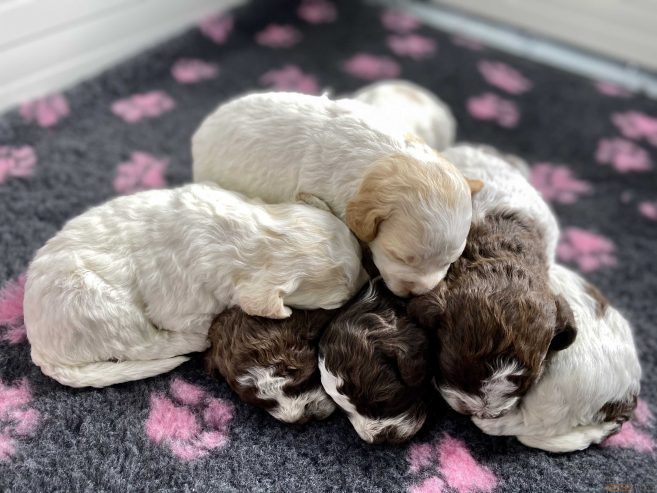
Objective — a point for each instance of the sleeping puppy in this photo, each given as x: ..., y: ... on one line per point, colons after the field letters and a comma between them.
x: 126, y: 288
x: 373, y: 363
x: 412, y: 206
x: 586, y: 391
x: 414, y: 106
x: 272, y: 363
x: 496, y: 317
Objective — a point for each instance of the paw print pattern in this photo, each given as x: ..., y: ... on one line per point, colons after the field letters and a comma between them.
x: 190, y: 424
x: 624, y: 155
x: 504, y: 77
x: 46, y: 111
x: 278, y: 36
x: 412, y: 46
x: 16, y: 162
x: 557, y: 183
x: 317, y: 11
x: 633, y: 434
x: 371, y: 67
x: 11, y: 311
x: 141, y: 172
x: 290, y: 78
x: 588, y: 250
x: 190, y: 71
x: 491, y: 107
x: 455, y: 467
x: 649, y: 210
x: 636, y: 125
x: 17, y: 419
x: 217, y: 28
x: 142, y: 106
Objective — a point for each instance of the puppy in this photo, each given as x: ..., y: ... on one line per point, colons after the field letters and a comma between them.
x: 272, y: 363
x: 414, y: 106
x: 373, y: 362
x: 123, y: 290
x: 495, y: 316
x: 588, y: 390
x: 410, y: 205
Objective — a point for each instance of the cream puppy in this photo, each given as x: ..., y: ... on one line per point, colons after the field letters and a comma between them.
x: 418, y: 108
x: 410, y: 205
x: 126, y: 288
x: 588, y: 390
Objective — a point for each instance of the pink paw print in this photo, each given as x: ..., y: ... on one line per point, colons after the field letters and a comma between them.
x: 371, y: 67
x: 191, y: 424
x: 190, y: 71
x: 412, y: 46
x: 46, y: 111
x: 278, y: 36
x: 588, y: 250
x: 557, y: 183
x: 624, y: 155
x: 16, y: 162
x: 17, y: 419
x: 11, y: 311
x: 611, y: 90
x: 647, y: 209
x: 454, y: 466
x: 490, y: 107
x: 317, y: 11
x: 633, y: 434
x: 217, y: 27
x: 504, y: 77
x: 141, y: 106
x: 290, y: 78
x: 636, y: 125
x: 142, y: 172
x: 467, y: 43
x: 400, y: 22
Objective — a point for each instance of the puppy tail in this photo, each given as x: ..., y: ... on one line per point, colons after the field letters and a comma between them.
x: 107, y: 373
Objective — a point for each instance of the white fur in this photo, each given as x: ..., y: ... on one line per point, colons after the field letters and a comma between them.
x: 560, y: 413
x: 367, y: 428
x: 283, y: 147
x: 127, y: 287
x: 421, y: 111
x: 505, y: 188
x: 494, y: 399
x: 314, y: 403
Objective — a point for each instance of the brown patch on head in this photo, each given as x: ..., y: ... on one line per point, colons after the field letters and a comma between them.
x: 380, y: 355
x: 602, y: 303
x: 395, y: 183
x: 240, y: 342
x: 495, y: 307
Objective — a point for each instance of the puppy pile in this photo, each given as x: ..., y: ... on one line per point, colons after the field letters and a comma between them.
x: 462, y: 294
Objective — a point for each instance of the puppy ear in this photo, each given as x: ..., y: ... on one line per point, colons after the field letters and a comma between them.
x: 427, y: 310
x: 410, y: 355
x: 475, y: 185
x: 566, y: 329
x: 364, y: 215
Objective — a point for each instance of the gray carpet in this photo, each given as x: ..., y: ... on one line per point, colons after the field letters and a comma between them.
x: 593, y: 148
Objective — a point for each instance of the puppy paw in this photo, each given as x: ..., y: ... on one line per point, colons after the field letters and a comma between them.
x: 312, y: 200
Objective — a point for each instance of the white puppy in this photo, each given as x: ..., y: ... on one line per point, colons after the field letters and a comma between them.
x: 395, y: 193
x: 587, y: 390
x: 418, y: 108
x: 126, y: 288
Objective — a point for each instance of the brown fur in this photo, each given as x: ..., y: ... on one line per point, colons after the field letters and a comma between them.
x: 495, y: 307
x: 618, y: 411
x: 602, y: 303
x: 240, y: 342
x: 381, y: 357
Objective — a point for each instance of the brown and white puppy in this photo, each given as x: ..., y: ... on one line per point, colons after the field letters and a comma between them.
x: 373, y: 362
x: 495, y: 316
x: 272, y: 363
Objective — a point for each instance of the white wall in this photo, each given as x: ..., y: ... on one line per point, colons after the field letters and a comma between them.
x: 47, y: 45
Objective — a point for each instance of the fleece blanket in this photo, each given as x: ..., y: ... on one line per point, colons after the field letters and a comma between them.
x: 593, y: 151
